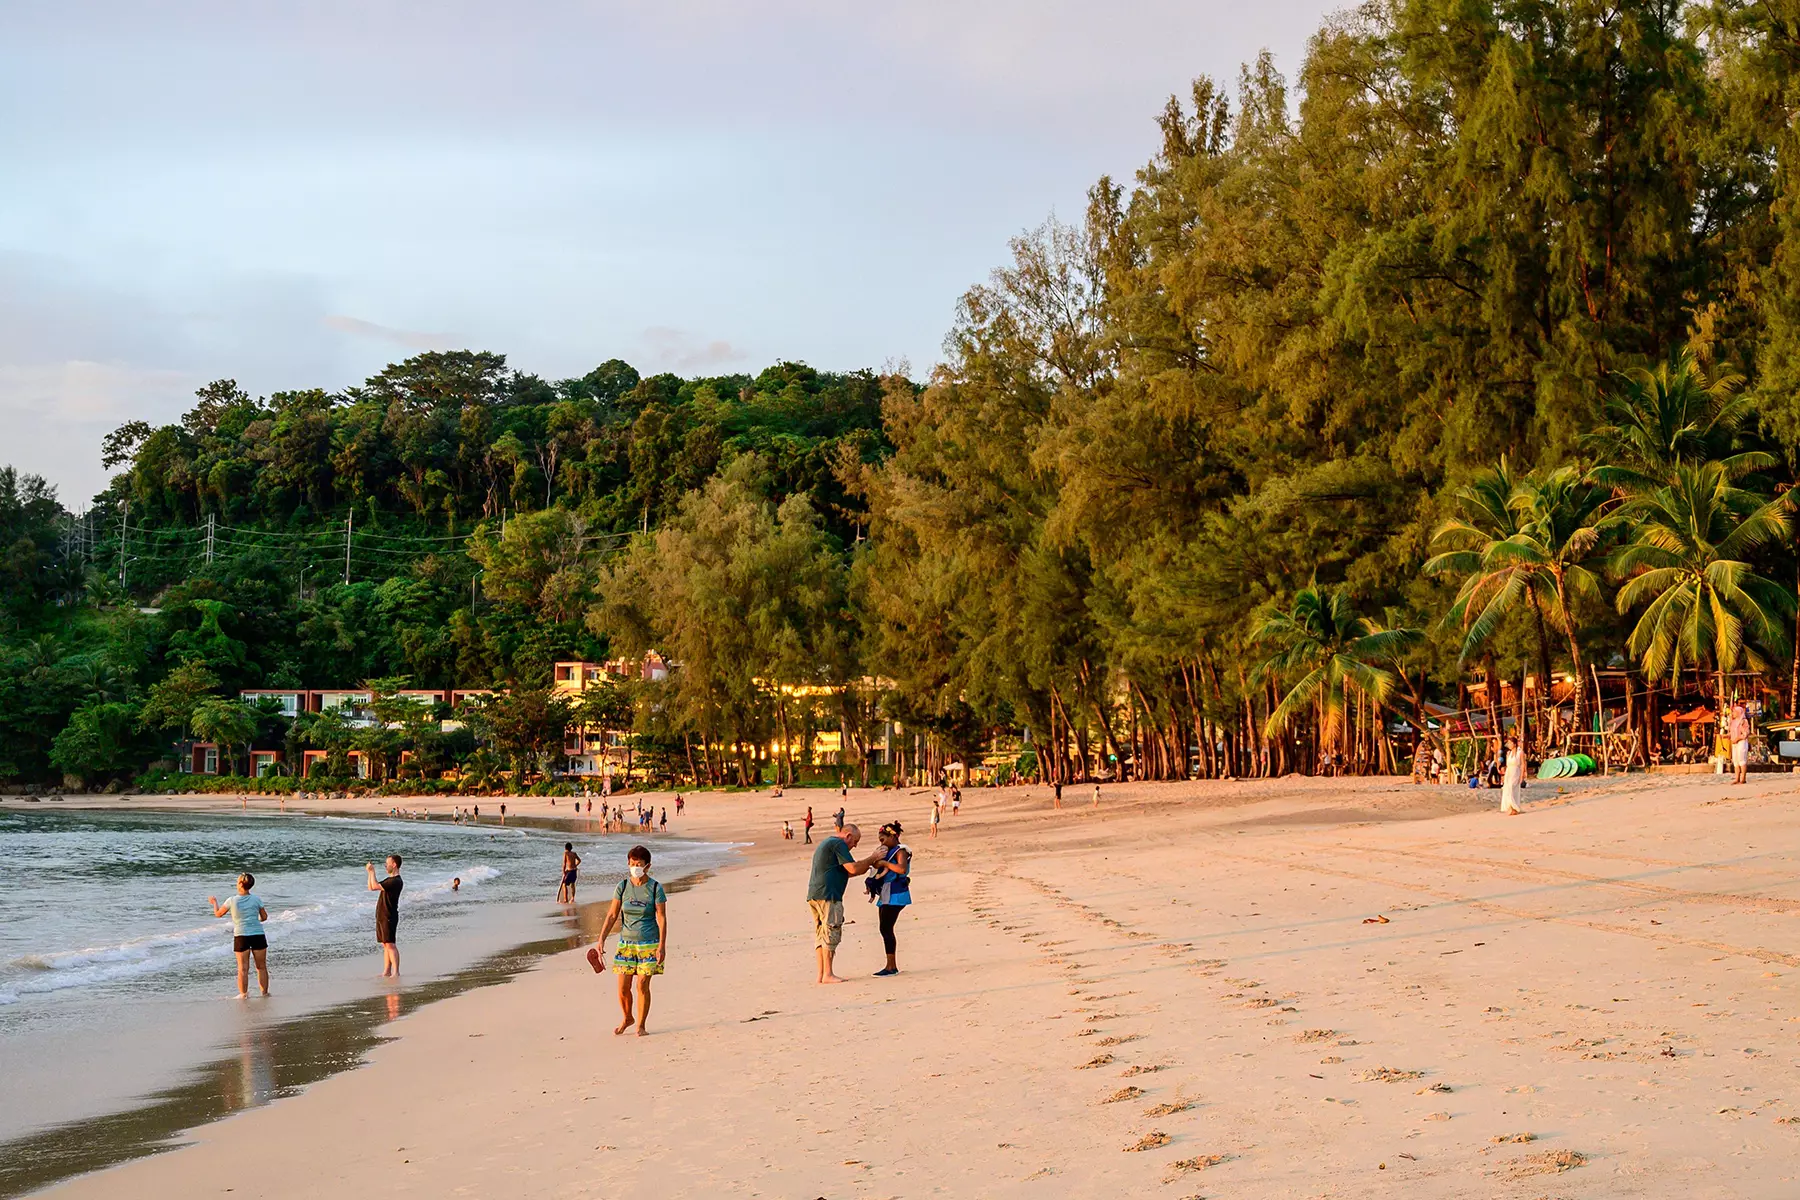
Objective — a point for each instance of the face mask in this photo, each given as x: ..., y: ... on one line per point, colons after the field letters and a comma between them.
x: 638, y: 872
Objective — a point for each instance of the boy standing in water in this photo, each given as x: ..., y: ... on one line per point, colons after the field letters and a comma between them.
x: 247, y: 915
x: 571, y: 863
x: 387, y: 913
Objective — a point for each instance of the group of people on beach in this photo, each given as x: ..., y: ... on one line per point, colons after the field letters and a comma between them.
x: 250, y: 941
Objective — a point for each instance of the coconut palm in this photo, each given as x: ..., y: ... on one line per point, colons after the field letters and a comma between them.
x: 1334, y: 650
x: 1689, y: 562
x: 1678, y: 412
x: 1484, y: 543
x: 1562, y: 523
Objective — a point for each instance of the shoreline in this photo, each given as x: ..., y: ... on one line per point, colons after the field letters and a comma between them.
x: 270, y: 1059
x: 1206, y: 964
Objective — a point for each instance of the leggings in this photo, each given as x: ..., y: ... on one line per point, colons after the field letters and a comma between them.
x: 889, y: 914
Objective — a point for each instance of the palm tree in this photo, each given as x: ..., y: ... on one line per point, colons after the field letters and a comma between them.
x: 1561, y: 525
x: 1333, y: 649
x: 1484, y: 543
x: 1679, y: 412
x: 1689, y: 558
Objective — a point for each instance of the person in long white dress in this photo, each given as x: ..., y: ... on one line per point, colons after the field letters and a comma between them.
x: 1515, y: 772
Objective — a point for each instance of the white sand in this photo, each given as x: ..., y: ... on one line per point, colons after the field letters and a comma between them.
x: 1611, y: 973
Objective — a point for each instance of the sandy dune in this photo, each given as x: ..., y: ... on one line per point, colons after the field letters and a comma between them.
x: 1191, y: 991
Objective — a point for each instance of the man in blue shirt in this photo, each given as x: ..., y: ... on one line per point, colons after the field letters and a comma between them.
x: 832, y: 867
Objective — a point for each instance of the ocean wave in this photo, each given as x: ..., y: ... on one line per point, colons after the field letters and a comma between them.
x: 160, y: 953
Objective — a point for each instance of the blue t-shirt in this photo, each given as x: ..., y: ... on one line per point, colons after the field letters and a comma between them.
x: 244, y: 921
x: 637, y: 911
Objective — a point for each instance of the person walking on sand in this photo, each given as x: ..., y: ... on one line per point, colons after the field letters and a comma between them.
x: 893, y: 892
x: 571, y: 865
x: 837, y: 819
x: 937, y: 815
x: 662, y: 824
x: 640, y: 912
x: 387, y: 913
x: 1739, y: 732
x: 808, y: 824
x: 247, y: 938
x: 1057, y: 803
x: 832, y: 866
x: 1096, y: 795
x: 1515, y: 775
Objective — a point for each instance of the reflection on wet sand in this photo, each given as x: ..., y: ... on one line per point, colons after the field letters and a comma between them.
x: 268, y: 1063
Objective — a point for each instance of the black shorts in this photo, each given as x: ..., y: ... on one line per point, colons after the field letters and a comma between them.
x: 256, y: 941
x: 569, y: 878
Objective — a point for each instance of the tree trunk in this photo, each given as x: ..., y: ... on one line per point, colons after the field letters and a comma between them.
x: 1543, y: 640
x: 1562, y: 599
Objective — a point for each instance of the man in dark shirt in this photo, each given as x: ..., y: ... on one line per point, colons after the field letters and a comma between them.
x: 832, y: 867
x: 387, y: 913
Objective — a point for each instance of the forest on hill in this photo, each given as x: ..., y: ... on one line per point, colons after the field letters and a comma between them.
x: 1468, y: 356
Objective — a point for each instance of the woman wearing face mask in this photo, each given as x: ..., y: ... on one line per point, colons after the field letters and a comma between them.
x: 892, y: 880
x: 641, y: 914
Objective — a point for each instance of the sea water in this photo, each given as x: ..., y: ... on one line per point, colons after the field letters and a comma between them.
x: 116, y: 982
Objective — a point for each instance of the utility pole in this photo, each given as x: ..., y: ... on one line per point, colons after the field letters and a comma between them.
x: 124, y: 515
x: 210, y: 521
x: 349, y: 523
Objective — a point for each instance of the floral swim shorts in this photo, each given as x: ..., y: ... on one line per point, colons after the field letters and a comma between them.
x: 636, y: 958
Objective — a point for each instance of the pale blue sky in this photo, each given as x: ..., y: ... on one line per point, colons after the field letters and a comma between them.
x: 294, y: 195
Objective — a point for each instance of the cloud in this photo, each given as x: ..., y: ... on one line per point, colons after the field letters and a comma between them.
x: 78, y: 392
x: 411, y: 339
x: 675, y: 350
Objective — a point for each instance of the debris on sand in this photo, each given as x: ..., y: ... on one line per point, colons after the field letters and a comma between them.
x: 1377, y: 919
x: 1099, y: 1060
x: 1119, y: 1041
x: 1146, y: 1069
x: 1550, y: 1162
x: 1389, y: 1075
x: 1166, y: 1110
x: 1124, y: 1093
x: 1200, y: 1162
x: 1437, y: 1116
x: 1503, y: 1139
x: 1316, y: 1035
x: 1331, y: 1059
x: 1150, y: 1141
x: 1436, y: 1087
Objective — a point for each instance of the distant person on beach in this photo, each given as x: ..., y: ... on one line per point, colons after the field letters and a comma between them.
x: 680, y: 804
x: 1096, y: 795
x: 640, y: 912
x: 571, y: 862
x: 1058, y: 794
x: 1515, y: 775
x: 663, y: 823
x: 456, y: 884
x: 787, y: 831
x: 837, y: 819
x: 937, y: 815
x: 892, y: 888
x: 832, y: 866
x: 503, y: 814
x: 247, y: 938
x: 955, y: 800
x: 387, y: 913
x: 1739, y: 732
x: 808, y: 824
x: 478, y: 814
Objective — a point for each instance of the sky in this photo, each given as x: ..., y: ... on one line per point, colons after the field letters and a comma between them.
x: 294, y: 195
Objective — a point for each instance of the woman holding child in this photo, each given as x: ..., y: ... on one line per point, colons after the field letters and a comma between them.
x: 890, y: 887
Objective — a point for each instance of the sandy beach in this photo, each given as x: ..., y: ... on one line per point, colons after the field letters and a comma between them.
x: 1259, y: 989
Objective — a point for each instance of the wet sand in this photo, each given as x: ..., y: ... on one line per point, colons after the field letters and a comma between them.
x: 1355, y: 987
